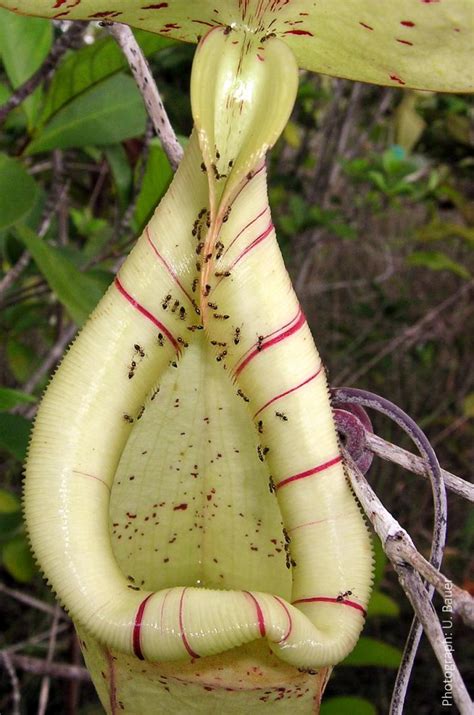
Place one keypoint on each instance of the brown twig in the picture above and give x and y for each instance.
(70, 38)
(50, 360)
(29, 600)
(38, 666)
(147, 86)
(408, 335)
(46, 681)
(55, 199)
(400, 549)
(16, 694)
(413, 463)
(37, 639)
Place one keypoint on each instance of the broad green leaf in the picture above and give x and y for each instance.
(24, 44)
(10, 512)
(78, 292)
(437, 261)
(158, 174)
(382, 605)
(438, 230)
(17, 559)
(9, 502)
(14, 434)
(21, 357)
(409, 125)
(372, 652)
(468, 405)
(121, 171)
(347, 706)
(108, 112)
(18, 191)
(91, 64)
(10, 398)
(5, 92)
(424, 45)
(380, 561)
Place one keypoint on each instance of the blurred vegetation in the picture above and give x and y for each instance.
(371, 190)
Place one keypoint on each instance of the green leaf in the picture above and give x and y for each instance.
(437, 261)
(21, 358)
(468, 405)
(370, 651)
(10, 512)
(78, 292)
(344, 38)
(156, 180)
(409, 125)
(18, 191)
(382, 605)
(380, 561)
(24, 43)
(17, 559)
(347, 706)
(91, 64)
(14, 434)
(107, 113)
(121, 172)
(10, 398)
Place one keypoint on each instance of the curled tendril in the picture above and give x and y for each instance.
(344, 397)
(352, 422)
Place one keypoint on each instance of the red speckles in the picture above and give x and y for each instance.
(180, 507)
(58, 3)
(404, 42)
(105, 13)
(158, 6)
(396, 78)
(367, 27)
(407, 23)
(203, 22)
(428, 2)
(299, 32)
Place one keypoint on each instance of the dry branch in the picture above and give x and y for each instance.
(70, 38)
(38, 666)
(147, 86)
(401, 551)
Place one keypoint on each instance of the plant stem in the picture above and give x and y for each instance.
(147, 86)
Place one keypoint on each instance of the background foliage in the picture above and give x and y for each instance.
(370, 189)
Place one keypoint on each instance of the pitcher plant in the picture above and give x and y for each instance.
(185, 494)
